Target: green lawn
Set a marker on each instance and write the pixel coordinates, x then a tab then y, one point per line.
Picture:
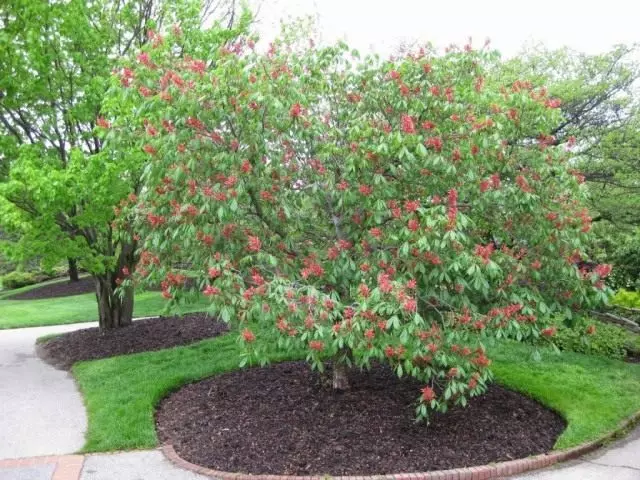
78	308
593	394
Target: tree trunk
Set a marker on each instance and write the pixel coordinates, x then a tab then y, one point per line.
73	270
114	311
341	363
340	377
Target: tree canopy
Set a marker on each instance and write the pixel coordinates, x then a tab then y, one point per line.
364	210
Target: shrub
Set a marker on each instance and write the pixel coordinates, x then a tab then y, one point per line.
365	210
16	279
626	298
592	337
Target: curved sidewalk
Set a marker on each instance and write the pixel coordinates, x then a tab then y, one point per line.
42	410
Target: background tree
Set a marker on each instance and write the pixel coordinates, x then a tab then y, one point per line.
361	210
58	189
601	118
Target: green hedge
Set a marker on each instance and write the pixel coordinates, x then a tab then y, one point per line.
14	280
607	340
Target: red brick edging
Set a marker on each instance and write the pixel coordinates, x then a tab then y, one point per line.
482	472
67	467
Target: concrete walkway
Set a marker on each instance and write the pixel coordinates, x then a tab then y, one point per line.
619	461
41	409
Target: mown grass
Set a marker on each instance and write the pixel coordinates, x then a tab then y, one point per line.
593	394
77	308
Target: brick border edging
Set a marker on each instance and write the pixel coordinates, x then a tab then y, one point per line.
66	467
481	472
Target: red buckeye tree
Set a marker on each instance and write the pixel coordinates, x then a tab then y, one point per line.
362	210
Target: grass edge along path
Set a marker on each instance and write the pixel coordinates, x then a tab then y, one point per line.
79	308
593	394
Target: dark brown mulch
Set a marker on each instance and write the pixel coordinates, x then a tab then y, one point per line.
59	289
281	420
141	336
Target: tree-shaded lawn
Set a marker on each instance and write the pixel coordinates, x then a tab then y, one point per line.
593	394
78	308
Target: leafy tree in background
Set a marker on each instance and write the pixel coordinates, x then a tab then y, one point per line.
58	188
601	118
358	209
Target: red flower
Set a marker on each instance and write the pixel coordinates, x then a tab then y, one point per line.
248	335
428	394
410	305
317	345
536	264
553	103
145	59
413	225
435	142
210	290
427	125
364	290
452	213
523	184
411	205
603	270
376	232
295	111
411	284
150	149
369	334
453	372
102	123
591	329
495	180
365	190
214	272
484	252
549	331
407	124
254	244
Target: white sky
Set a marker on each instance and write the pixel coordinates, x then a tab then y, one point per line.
380	25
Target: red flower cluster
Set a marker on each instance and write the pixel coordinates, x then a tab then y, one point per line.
407	124
484	252
452	212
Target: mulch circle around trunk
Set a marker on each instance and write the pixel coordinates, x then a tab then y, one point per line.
141	336
58	289
281	420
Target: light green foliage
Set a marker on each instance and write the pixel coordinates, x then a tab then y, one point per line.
17	279
58	187
626	298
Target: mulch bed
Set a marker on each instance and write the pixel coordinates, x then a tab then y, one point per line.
59	289
141	336
280	420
